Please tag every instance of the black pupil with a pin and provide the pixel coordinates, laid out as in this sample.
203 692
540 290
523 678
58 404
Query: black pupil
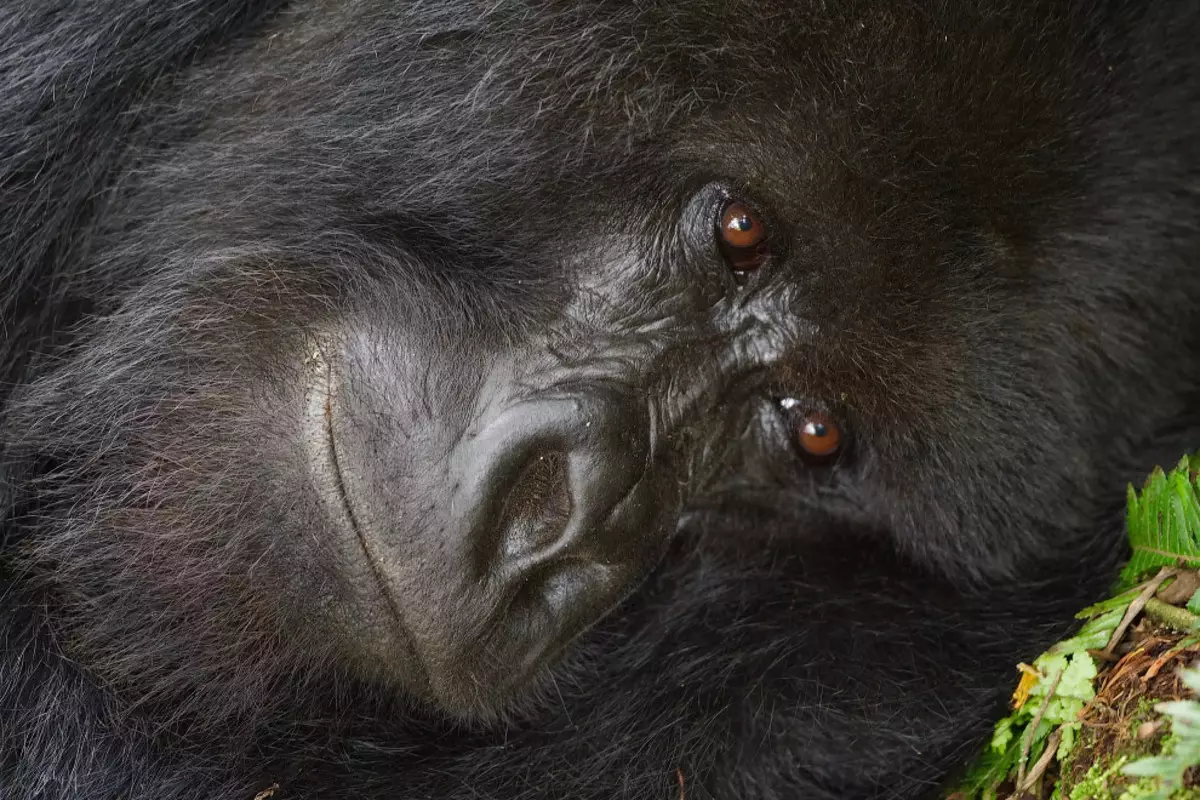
818 430
743 223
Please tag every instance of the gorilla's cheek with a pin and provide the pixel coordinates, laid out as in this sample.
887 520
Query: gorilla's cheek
366 610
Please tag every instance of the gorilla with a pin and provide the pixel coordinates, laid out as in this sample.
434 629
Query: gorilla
571 398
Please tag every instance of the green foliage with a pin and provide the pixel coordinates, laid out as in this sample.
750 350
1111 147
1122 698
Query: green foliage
1069 664
1096 784
1164 530
1164 522
1193 605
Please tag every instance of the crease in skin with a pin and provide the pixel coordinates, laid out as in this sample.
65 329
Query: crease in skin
331 469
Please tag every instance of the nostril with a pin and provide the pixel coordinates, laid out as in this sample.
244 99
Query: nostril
538 507
542 481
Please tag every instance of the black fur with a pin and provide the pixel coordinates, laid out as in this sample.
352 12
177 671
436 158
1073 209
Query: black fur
994 207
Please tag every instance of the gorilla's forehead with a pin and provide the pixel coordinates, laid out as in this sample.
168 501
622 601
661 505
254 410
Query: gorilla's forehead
779 91
518 127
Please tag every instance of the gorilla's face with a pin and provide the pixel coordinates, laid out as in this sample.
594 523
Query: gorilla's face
499 518
435 402
496 486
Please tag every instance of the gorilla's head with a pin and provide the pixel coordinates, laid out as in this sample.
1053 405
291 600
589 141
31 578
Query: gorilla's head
412 353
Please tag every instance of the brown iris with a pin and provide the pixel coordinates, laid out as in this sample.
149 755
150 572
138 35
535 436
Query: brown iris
742 238
819 435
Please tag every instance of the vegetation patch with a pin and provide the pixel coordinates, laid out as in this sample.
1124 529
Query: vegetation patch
1110 713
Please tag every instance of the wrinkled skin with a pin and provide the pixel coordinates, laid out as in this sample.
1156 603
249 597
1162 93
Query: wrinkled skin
382 416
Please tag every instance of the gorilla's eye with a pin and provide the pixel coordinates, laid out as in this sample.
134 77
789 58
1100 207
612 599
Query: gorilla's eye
742 238
819 435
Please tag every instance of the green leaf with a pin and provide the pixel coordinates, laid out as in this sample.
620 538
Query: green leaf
1096 632
1153 767
1193 605
1077 680
1117 602
1163 522
1183 712
1002 736
1067 742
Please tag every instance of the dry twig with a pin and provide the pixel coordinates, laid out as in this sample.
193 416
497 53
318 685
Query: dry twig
1137 605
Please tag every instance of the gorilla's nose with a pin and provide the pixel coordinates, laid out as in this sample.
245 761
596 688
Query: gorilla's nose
557 478
563 509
